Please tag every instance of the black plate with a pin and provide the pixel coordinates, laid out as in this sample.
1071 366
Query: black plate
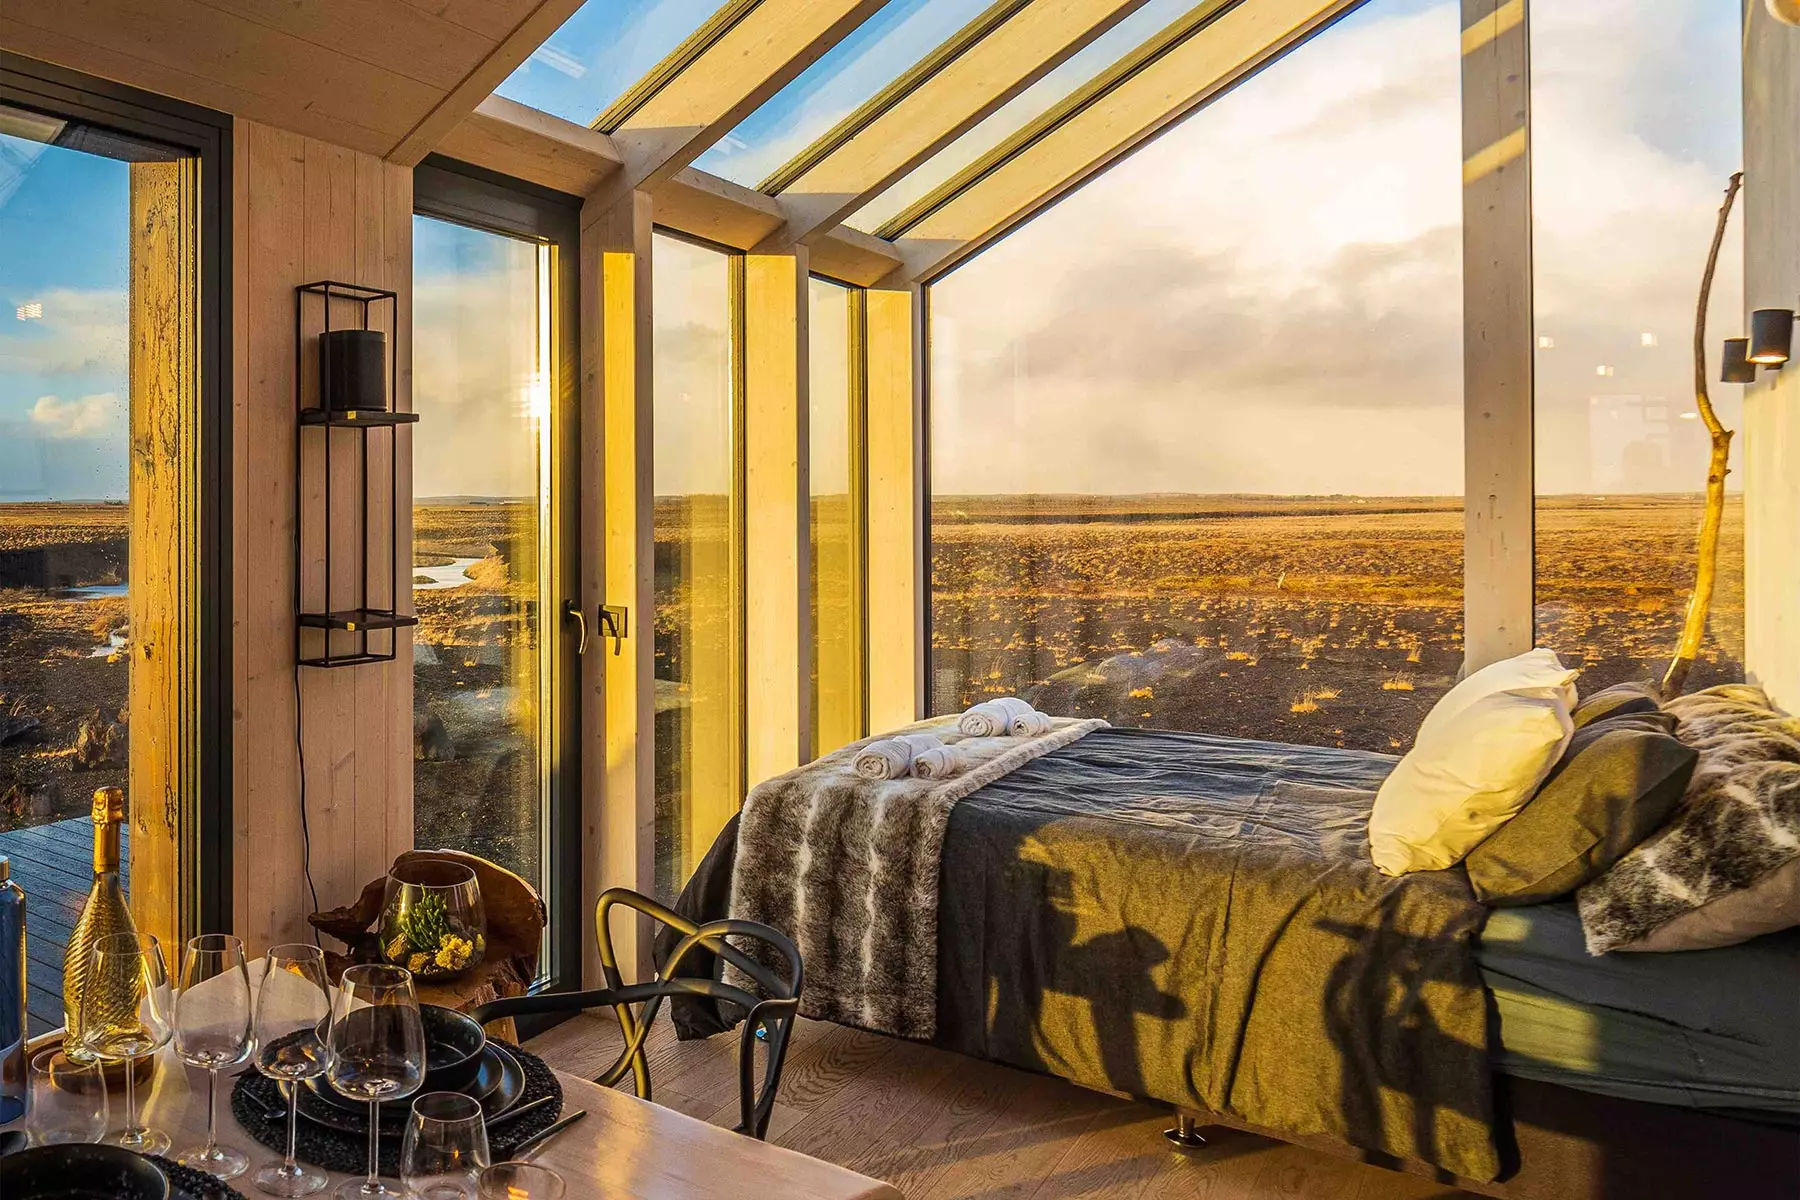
79 1170
487 1076
321 1105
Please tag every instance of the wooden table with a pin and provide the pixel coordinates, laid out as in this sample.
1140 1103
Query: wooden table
624 1149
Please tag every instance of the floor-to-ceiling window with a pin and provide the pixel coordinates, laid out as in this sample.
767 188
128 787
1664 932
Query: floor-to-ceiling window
481 494
494 540
1635 128
110 253
698 618
834 467
1195 434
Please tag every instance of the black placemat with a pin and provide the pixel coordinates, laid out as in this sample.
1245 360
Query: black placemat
258 1105
188 1184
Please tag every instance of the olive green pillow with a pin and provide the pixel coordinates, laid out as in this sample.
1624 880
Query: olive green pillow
1617 700
1617 783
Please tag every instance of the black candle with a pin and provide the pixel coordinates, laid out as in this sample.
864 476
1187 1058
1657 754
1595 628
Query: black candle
352 369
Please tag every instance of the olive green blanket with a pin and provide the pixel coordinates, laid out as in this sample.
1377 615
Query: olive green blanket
1195 920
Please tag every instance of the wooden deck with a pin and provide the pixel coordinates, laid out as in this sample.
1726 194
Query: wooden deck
54 864
939 1126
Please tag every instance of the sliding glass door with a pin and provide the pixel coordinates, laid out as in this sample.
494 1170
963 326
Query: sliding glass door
494 761
111 424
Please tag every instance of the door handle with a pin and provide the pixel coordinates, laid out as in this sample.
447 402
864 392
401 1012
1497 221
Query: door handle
572 612
615 623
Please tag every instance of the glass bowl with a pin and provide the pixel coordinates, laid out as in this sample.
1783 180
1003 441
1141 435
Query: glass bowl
432 921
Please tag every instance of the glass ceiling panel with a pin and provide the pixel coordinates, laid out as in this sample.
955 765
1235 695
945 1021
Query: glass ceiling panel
599 52
1022 109
878 52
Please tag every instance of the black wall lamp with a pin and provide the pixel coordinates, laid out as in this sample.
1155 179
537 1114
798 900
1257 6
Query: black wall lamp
1771 336
1770 344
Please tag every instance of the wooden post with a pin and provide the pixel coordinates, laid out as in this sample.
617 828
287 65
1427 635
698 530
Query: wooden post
1498 349
894 374
777 628
619 782
163 572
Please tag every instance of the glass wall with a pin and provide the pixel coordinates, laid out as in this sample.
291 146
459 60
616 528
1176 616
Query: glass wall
481 522
834 467
1636 127
698 613
1196 433
99 331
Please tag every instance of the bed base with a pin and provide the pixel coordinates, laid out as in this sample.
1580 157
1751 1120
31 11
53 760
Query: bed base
1575 1145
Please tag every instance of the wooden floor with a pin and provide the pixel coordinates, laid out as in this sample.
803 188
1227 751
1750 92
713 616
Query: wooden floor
54 864
942 1127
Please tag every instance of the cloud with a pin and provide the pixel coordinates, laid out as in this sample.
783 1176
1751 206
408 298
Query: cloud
93 416
80 332
1269 296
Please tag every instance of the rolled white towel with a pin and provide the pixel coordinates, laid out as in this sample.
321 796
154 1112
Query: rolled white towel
892 758
1031 724
992 718
938 762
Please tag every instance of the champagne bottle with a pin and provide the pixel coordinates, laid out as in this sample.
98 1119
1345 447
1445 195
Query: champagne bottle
104 913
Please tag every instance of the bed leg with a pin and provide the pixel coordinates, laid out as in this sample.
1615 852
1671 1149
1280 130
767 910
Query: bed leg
1184 1134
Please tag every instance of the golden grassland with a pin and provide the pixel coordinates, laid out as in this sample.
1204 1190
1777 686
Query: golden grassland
1328 620
1333 620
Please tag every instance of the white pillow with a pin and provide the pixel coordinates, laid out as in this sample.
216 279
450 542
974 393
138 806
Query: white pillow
1480 755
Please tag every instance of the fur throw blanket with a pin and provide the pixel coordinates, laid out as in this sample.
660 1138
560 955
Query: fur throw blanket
1738 821
848 867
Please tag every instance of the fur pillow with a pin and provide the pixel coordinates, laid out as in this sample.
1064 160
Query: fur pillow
1739 822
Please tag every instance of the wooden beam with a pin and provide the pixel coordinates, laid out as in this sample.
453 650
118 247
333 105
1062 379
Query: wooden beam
163 601
513 139
1215 47
616 383
1498 347
777 552
507 137
486 74
903 126
748 62
894 348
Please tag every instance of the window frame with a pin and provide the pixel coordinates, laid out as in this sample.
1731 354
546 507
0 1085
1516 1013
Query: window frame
445 189
205 825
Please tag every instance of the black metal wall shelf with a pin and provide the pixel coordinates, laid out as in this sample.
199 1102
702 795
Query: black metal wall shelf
339 635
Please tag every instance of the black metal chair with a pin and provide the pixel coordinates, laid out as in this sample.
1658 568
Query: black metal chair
768 1018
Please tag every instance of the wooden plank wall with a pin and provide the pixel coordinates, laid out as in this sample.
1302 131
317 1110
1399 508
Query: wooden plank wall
1771 439
307 210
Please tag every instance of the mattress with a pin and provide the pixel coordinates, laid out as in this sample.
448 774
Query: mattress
1707 1029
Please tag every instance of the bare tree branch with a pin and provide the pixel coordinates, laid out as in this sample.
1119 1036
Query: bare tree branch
1706 567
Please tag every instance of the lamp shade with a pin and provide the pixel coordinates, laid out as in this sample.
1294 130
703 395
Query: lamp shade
1736 366
352 369
1771 336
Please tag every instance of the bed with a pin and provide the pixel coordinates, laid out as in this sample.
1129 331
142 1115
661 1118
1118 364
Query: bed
1059 950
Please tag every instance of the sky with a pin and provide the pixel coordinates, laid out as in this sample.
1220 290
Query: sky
1267 298
63 224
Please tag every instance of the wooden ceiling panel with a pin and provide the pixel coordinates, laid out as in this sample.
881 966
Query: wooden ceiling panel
385 77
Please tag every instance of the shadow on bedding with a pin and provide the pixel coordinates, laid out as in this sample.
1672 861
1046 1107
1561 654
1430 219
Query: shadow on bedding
1292 990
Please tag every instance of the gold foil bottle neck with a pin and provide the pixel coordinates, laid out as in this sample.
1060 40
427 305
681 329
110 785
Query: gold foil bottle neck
109 805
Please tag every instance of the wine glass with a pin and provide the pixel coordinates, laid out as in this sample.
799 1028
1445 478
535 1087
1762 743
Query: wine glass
445 1147
377 1045
292 1003
68 1100
213 1029
520 1181
125 1017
